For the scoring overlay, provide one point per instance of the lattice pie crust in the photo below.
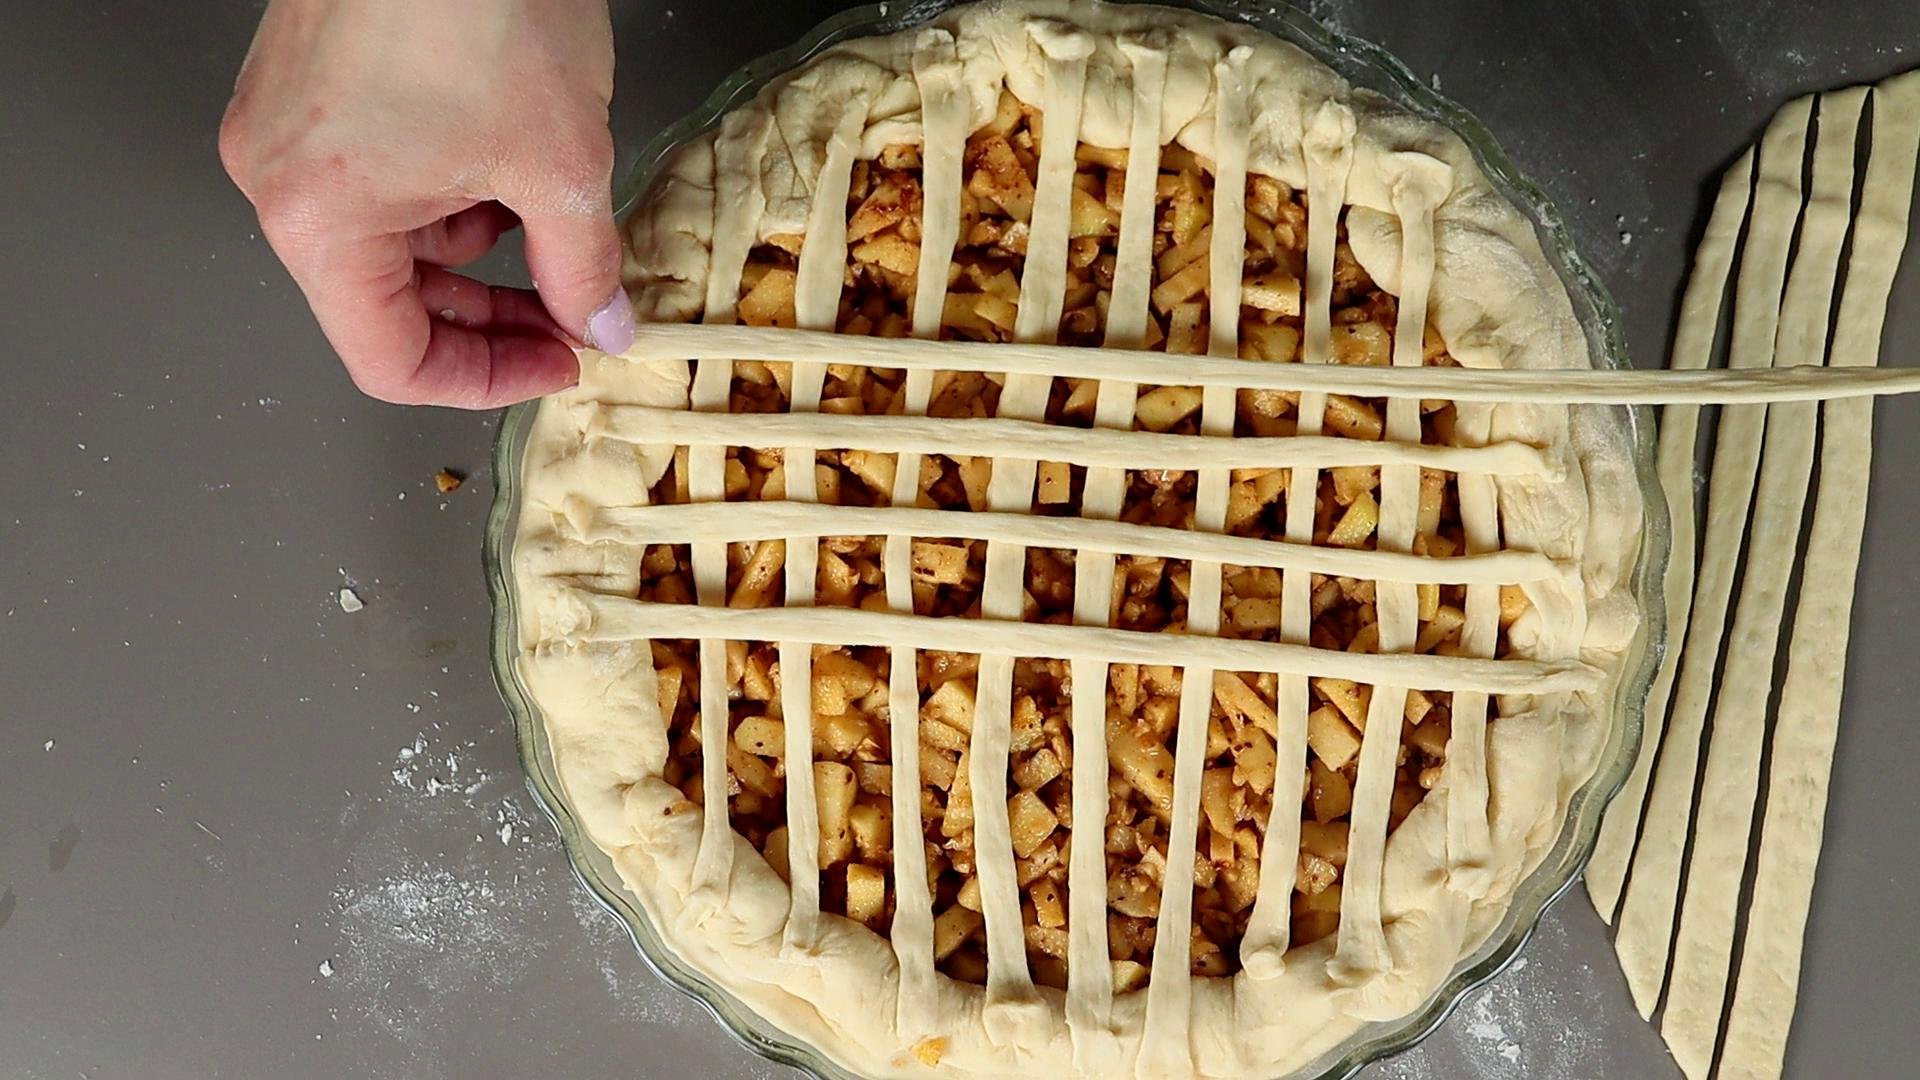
(817, 678)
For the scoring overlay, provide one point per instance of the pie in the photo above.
(1400, 622)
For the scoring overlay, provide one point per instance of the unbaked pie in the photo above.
(1070, 625)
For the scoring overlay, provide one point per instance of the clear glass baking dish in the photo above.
(1365, 65)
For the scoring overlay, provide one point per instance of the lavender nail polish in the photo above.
(610, 328)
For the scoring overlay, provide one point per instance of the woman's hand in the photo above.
(383, 142)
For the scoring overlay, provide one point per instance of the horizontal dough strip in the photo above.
(692, 523)
(1031, 440)
(673, 341)
(588, 616)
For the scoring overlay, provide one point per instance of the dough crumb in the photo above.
(350, 601)
(326, 969)
(448, 480)
(929, 1051)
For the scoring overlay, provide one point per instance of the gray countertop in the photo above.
(246, 834)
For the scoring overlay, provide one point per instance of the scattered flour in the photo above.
(434, 769)
(429, 935)
(639, 996)
(1533, 1022)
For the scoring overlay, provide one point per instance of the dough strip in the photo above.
(1646, 918)
(600, 617)
(1014, 1009)
(1089, 1004)
(1809, 711)
(1327, 147)
(1679, 430)
(1696, 996)
(816, 306)
(1419, 183)
(936, 71)
(1007, 438)
(738, 204)
(1558, 386)
(679, 523)
(1164, 1039)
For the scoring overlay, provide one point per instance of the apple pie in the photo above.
(969, 657)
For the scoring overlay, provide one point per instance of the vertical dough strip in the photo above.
(1327, 147)
(1646, 919)
(1809, 710)
(823, 259)
(1418, 184)
(1704, 945)
(1170, 992)
(1012, 1004)
(1679, 428)
(943, 124)
(1089, 1004)
(738, 204)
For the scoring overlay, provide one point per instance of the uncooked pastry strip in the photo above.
(937, 73)
(1009, 438)
(1520, 386)
(1679, 428)
(738, 203)
(1809, 716)
(1089, 1004)
(1327, 147)
(1698, 983)
(1646, 919)
(592, 616)
(1164, 1040)
(680, 523)
(1470, 870)
(1419, 183)
(1014, 1009)
(816, 302)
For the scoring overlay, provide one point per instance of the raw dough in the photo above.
(1679, 430)
(1494, 301)
(1809, 710)
(1646, 919)
(1698, 983)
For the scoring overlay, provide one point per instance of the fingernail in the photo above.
(610, 328)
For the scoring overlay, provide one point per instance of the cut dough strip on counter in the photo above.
(1730, 782)
(1809, 711)
(1646, 918)
(1792, 327)
(1679, 431)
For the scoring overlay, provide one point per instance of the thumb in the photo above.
(575, 262)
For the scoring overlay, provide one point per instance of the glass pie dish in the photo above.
(1365, 68)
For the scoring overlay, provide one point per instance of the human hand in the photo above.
(382, 143)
